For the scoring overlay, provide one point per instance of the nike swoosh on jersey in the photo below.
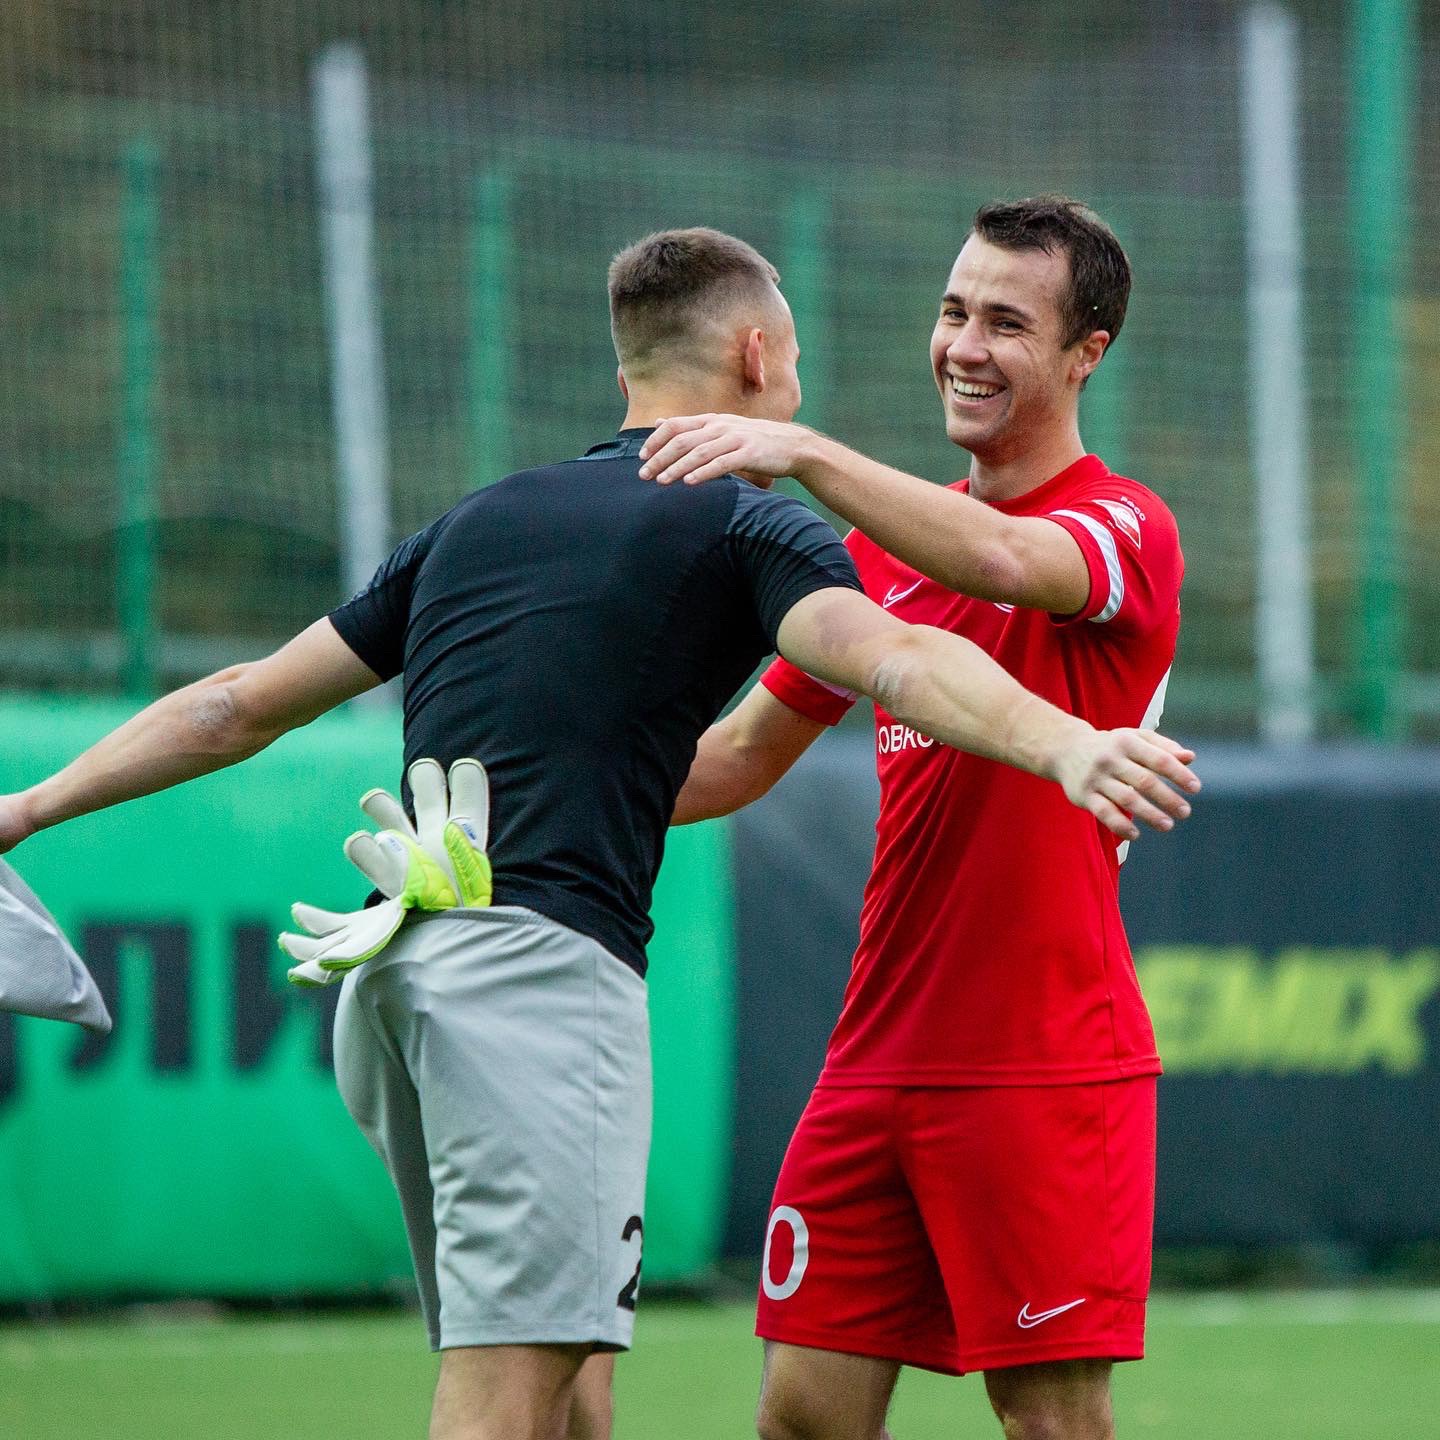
(892, 595)
(1025, 1320)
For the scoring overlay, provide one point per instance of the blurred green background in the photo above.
(168, 494)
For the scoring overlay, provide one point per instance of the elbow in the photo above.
(217, 720)
(895, 675)
(999, 572)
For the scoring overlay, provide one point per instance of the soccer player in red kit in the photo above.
(971, 1186)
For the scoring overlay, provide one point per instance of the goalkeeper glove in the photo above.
(451, 826)
(437, 864)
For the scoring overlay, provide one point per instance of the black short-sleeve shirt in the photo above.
(576, 629)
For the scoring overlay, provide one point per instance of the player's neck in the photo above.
(647, 408)
(996, 478)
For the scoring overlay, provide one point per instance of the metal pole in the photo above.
(346, 174)
(1381, 152)
(492, 255)
(1106, 400)
(138, 539)
(804, 276)
(1278, 389)
(1107, 405)
(806, 273)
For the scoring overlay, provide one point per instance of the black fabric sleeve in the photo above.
(786, 552)
(373, 622)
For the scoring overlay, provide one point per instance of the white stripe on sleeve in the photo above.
(837, 690)
(1106, 541)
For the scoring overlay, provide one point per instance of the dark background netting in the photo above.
(516, 148)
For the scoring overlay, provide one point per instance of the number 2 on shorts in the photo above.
(634, 1227)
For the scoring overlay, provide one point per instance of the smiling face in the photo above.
(1007, 381)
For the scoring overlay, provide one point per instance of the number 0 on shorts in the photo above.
(799, 1237)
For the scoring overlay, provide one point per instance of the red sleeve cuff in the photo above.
(814, 699)
(1102, 582)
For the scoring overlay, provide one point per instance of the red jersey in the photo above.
(991, 946)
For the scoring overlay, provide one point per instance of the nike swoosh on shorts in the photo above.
(1025, 1320)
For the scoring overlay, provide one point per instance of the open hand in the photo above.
(696, 448)
(1121, 776)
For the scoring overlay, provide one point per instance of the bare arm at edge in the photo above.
(217, 721)
(945, 687)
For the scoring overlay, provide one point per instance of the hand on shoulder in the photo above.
(697, 448)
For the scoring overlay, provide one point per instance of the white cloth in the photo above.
(40, 974)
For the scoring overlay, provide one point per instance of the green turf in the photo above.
(1302, 1367)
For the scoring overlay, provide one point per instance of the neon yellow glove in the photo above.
(451, 826)
(437, 864)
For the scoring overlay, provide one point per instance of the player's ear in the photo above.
(752, 359)
(620, 381)
(1088, 354)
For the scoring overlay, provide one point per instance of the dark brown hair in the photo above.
(665, 287)
(1099, 287)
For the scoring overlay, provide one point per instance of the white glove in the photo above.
(451, 826)
(437, 864)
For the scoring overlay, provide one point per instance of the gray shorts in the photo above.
(499, 1063)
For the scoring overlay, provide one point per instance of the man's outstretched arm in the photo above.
(945, 687)
(969, 547)
(215, 722)
(740, 757)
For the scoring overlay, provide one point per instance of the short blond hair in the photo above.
(667, 289)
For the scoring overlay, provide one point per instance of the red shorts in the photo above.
(965, 1228)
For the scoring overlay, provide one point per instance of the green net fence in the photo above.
(168, 450)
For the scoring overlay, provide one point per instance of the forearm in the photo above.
(741, 757)
(706, 795)
(949, 689)
(966, 545)
(725, 777)
(185, 734)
